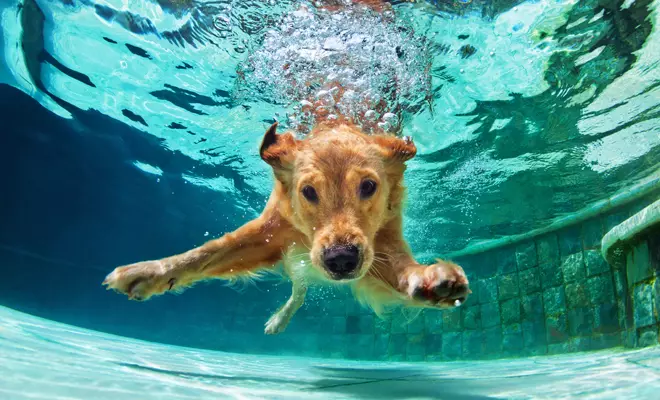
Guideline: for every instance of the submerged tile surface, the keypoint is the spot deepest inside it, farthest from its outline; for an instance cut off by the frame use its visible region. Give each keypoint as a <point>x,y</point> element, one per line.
<point>42,359</point>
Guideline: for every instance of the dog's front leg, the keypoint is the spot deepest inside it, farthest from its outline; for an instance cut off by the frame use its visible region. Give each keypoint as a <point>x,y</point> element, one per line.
<point>257,244</point>
<point>278,322</point>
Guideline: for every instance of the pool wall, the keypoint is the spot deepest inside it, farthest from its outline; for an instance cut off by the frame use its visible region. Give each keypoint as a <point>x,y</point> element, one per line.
<point>547,294</point>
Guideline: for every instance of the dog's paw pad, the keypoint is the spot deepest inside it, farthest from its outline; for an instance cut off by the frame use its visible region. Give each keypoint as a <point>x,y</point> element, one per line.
<point>441,285</point>
<point>139,281</point>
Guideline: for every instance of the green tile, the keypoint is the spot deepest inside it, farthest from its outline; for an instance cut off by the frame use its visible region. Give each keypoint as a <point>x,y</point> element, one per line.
<point>451,320</point>
<point>606,341</point>
<point>534,334</point>
<point>493,340</point>
<point>532,307</point>
<point>415,348</point>
<point>592,233</point>
<point>551,275</point>
<point>416,325</point>
<point>506,260</point>
<point>382,326</point>
<point>580,321</point>
<point>647,336</point>
<point>490,315</point>
<point>471,317</point>
<point>641,264</point>
<point>643,305</point>
<point>576,295</point>
<point>433,321</point>
<point>452,345</point>
<point>381,345</point>
<point>526,255</point>
<point>530,281</point>
<point>399,322</point>
<point>573,268</point>
<point>473,343</point>
<point>510,311</point>
<point>556,329</point>
<point>554,301</point>
<point>488,290</point>
<point>512,341</point>
<point>570,241</point>
<point>601,289</point>
<point>548,249</point>
<point>606,319</point>
<point>595,263</point>
<point>433,345</point>
<point>508,286</point>
<point>397,345</point>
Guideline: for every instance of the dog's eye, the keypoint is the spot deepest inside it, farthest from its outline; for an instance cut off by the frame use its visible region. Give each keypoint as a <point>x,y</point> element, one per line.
<point>367,188</point>
<point>310,194</point>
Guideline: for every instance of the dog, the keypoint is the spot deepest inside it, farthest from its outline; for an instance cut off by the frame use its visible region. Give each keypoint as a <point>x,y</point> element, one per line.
<point>334,215</point>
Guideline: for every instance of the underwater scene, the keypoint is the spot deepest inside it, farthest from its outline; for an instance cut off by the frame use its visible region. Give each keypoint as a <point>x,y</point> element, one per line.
<point>205,199</point>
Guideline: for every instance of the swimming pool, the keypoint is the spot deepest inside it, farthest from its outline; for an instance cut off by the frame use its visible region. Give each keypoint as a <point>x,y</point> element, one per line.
<point>131,132</point>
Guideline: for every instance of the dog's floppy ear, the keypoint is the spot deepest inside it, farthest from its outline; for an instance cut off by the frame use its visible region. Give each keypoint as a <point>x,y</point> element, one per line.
<point>396,149</point>
<point>278,150</point>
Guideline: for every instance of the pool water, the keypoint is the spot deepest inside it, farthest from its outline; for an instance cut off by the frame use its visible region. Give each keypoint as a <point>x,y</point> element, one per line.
<point>43,359</point>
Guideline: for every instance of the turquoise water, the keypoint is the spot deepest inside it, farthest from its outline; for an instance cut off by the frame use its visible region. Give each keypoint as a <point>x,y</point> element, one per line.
<point>130,132</point>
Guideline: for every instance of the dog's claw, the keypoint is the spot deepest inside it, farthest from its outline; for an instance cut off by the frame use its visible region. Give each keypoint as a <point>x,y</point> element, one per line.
<point>171,282</point>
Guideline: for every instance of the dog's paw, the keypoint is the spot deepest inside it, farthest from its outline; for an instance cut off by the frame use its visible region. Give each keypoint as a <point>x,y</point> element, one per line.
<point>140,281</point>
<point>440,285</point>
<point>277,323</point>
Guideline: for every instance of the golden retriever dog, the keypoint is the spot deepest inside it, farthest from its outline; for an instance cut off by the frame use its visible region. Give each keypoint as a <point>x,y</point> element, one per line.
<point>334,216</point>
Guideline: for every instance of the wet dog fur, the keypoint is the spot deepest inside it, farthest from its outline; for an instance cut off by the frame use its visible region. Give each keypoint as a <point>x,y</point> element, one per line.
<point>334,216</point>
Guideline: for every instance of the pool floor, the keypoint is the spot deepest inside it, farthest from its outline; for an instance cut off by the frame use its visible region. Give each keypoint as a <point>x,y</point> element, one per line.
<point>43,359</point>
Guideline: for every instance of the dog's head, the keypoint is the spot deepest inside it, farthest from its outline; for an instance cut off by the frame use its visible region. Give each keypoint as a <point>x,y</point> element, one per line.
<point>339,188</point>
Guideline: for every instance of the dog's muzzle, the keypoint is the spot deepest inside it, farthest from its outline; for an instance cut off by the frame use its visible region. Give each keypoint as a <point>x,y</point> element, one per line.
<point>342,261</point>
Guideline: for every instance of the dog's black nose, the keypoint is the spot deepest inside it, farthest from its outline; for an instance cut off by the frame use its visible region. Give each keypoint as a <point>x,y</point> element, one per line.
<point>341,260</point>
